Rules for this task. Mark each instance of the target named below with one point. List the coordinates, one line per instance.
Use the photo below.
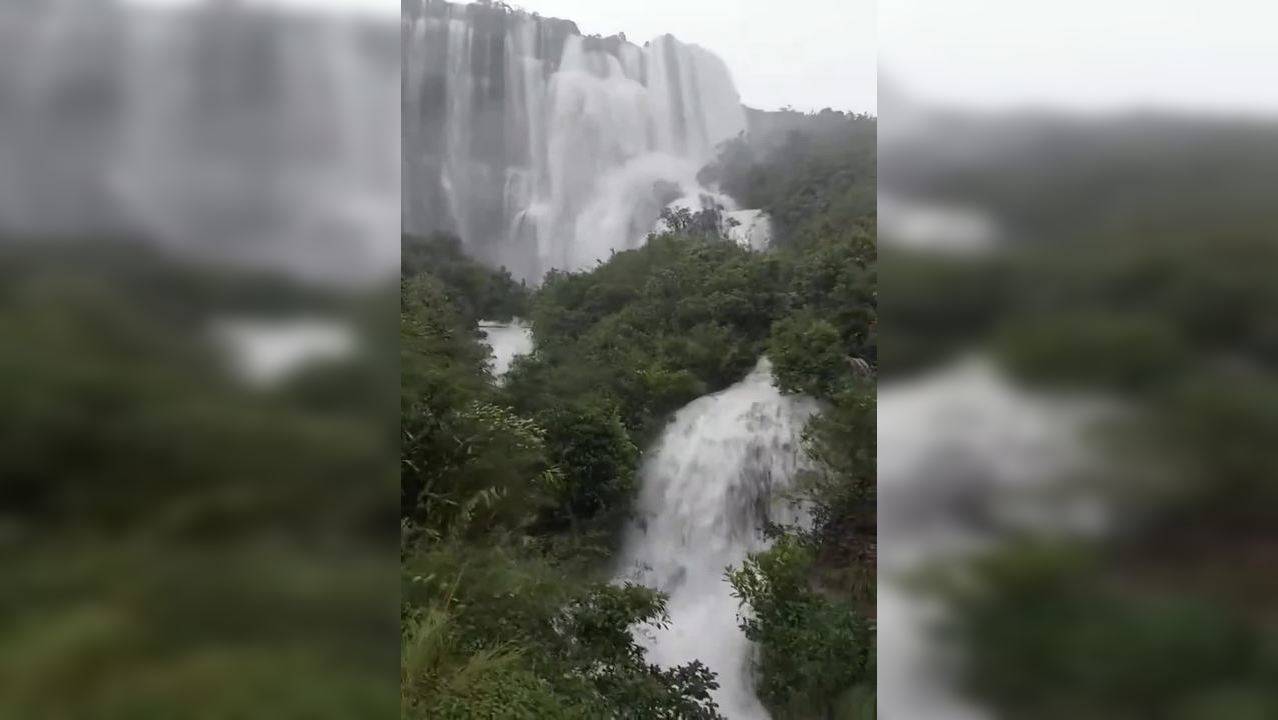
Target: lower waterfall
(507, 341)
(708, 487)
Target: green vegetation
(492, 630)
(505, 607)
(478, 292)
(1158, 621)
(816, 175)
(816, 653)
(175, 542)
(1144, 274)
(810, 600)
(650, 330)
(513, 493)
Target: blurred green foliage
(176, 542)
(1137, 265)
(1053, 631)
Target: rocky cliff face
(543, 148)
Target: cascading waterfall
(220, 130)
(542, 148)
(968, 460)
(506, 341)
(709, 486)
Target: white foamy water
(709, 486)
(963, 454)
(935, 227)
(541, 148)
(749, 228)
(507, 342)
(266, 352)
(232, 132)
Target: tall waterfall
(710, 485)
(220, 130)
(542, 148)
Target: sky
(1084, 55)
(382, 8)
(1081, 56)
(809, 54)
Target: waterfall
(219, 130)
(542, 148)
(749, 228)
(506, 341)
(708, 487)
(968, 461)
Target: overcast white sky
(1217, 56)
(1086, 55)
(385, 8)
(809, 54)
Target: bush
(812, 650)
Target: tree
(812, 650)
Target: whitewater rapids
(715, 478)
(545, 149)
